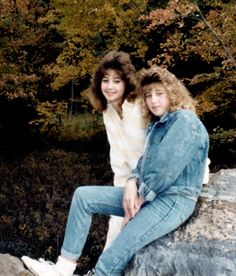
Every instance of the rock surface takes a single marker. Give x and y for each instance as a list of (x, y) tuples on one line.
[(12, 266), (205, 245)]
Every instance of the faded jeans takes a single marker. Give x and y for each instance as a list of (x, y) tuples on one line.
[(154, 220)]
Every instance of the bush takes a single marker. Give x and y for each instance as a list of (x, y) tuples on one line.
[(222, 149)]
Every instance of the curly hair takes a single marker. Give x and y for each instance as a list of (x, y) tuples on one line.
[(121, 63), (177, 93)]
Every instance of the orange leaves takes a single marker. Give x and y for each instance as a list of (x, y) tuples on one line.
[(204, 105), (174, 12), (188, 31), (158, 17)]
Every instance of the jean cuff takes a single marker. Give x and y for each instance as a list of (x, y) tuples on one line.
[(69, 255), (146, 192)]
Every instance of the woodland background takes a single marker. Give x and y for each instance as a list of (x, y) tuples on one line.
[(50, 138)]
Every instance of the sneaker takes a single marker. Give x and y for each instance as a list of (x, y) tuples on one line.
[(40, 267)]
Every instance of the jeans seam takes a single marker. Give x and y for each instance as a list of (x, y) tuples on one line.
[(183, 209)]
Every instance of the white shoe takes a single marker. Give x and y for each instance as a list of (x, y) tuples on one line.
[(40, 267)]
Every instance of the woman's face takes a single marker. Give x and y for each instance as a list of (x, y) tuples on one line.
[(113, 87), (156, 98)]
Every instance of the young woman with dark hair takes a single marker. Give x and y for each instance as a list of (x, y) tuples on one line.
[(114, 93)]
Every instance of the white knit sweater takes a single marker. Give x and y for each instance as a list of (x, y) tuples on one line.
[(126, 138)]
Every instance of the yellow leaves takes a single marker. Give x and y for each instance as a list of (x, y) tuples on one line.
[(122, 2), (18, 85), (50, 116), (141, 49), (173, 45), (66, 56), (204, 78), (217, 94), (50, 18), (21, 6), (64, 72), (91, 28), (62, 75)]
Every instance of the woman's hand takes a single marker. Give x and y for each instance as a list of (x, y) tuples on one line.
[(132, 202), (130, 196)]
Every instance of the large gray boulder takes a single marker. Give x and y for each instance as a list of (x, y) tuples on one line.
[(205, 245), (12, 266)]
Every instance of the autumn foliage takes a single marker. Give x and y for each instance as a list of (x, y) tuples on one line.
[(48, 53), (49, 47)]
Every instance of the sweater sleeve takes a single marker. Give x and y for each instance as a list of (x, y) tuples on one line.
[(118, 162)]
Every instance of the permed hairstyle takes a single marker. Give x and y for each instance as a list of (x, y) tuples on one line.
[(177, 93), (121, 62)]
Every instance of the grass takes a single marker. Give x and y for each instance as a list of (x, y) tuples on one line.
[(80, 125)]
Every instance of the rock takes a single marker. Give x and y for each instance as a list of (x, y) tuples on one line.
[(12, 266), (205, 245)]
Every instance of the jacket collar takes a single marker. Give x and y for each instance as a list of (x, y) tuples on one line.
[(164, 117), (160, 120)]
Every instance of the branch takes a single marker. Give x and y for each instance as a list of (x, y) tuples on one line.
[(216, 35)]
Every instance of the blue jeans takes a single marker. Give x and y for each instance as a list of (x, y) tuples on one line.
[(154, 220)]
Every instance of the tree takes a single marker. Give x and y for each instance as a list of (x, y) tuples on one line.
[(25, 47), (197, 41), (92, 28)]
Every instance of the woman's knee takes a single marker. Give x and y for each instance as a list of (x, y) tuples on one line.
[(78, 193), (79, 196)]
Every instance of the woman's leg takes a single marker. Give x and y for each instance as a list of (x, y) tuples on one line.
[(153, 221), (114, 229), (86, 201), (115, 222)]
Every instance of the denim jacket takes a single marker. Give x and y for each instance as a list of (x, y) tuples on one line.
[(174, 158)]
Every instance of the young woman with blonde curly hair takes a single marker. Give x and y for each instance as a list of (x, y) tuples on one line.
[(159, 195)]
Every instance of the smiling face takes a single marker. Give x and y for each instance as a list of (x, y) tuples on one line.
[(113, 87), (156, 98)]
